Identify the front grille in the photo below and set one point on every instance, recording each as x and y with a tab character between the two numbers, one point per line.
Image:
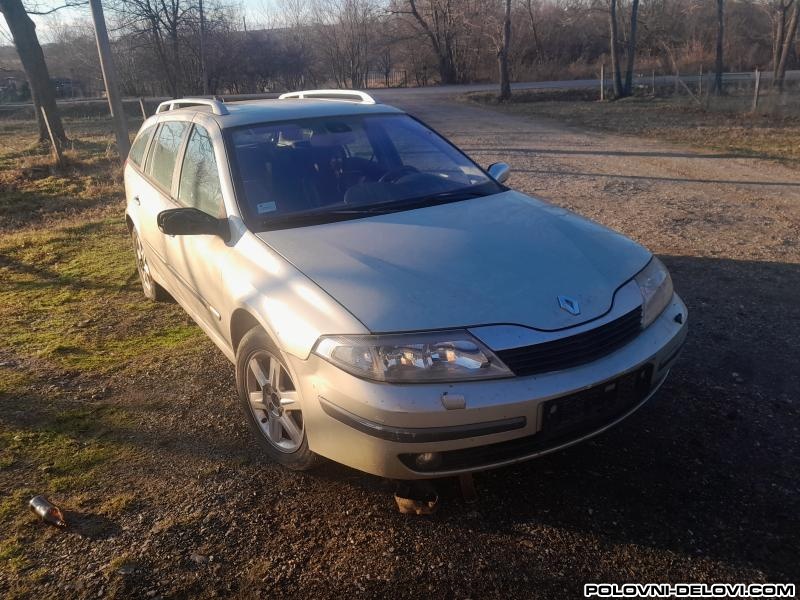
573	350
564	419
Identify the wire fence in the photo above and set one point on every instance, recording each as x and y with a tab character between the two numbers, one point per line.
753	90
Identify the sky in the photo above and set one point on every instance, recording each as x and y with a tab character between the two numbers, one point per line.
256	10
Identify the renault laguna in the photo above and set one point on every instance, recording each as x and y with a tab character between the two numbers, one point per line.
388	303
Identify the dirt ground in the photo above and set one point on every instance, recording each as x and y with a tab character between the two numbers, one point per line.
699	485
726	123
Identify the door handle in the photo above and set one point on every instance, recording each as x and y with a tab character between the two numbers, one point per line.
136	199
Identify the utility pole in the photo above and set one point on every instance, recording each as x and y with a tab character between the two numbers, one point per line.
110	79
203	49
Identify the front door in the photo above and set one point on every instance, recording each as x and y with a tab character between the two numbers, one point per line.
196	259
156	196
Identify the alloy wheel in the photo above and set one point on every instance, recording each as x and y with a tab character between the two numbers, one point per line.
273	401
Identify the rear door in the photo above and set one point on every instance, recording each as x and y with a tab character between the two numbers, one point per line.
137	187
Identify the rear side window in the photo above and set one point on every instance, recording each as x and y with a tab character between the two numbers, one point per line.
164	152
199	185
136	155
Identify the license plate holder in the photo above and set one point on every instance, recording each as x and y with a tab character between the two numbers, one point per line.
596	406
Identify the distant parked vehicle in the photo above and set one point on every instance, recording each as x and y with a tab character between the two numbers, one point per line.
388	303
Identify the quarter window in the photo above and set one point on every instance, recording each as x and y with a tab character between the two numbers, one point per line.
136	155
199	184
164	152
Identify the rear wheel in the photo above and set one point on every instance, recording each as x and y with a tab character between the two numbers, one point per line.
270	402
151	289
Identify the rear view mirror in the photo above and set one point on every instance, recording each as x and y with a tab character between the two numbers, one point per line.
191	221
499	172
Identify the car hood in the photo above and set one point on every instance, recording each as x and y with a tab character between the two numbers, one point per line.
497	259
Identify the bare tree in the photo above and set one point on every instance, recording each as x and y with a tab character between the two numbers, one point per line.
23	31
779	12
719	63
788	42
440	20
502	55
531	9
161	22
631	48
345	26
619	90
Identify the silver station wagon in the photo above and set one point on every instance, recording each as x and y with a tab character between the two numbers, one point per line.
388	303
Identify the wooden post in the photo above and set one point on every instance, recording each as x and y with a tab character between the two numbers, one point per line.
700	83
653	81
56	148
602	81
677	81
110	79
757	88
141	105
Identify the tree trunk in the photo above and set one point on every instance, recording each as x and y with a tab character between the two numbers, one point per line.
502	56
780	32
447	68
788	44
631	49
31	56
719	66
537	42
619	92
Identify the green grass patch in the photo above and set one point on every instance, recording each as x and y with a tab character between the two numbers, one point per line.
12	555
72	298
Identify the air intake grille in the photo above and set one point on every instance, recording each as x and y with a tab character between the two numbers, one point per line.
574	350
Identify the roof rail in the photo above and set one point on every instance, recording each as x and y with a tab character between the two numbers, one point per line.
348	95
217	107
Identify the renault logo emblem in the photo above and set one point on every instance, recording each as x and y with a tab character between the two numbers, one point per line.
569	304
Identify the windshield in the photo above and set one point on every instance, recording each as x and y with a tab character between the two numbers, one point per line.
313	171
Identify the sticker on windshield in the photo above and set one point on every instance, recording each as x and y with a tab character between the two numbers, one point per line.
266	207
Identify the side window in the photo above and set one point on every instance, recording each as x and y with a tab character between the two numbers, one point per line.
164	152
136	155
199	185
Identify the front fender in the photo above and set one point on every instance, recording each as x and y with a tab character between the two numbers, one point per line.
292	309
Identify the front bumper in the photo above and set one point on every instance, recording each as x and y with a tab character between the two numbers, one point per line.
376	427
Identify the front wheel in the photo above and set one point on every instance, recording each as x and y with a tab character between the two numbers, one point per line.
270	402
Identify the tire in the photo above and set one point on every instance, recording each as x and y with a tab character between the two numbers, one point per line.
270	402
151	289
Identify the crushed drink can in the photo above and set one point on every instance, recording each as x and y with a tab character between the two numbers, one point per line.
47	511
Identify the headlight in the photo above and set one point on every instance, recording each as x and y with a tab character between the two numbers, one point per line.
413	357
656	287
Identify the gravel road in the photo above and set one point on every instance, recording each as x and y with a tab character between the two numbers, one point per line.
700	485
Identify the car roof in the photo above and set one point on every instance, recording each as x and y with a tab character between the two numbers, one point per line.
250	112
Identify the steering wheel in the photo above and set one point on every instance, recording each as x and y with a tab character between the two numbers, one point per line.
395	174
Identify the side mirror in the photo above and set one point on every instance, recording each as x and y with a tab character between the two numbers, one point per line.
191	221
499	172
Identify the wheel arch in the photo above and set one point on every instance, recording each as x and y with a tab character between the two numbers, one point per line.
242	321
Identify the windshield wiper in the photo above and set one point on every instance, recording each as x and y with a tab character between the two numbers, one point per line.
322	215
455	195
366	210
397	205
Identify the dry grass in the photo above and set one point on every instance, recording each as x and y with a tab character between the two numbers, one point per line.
724	125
